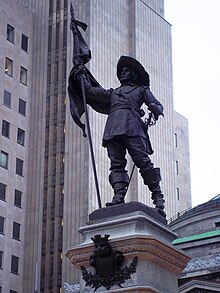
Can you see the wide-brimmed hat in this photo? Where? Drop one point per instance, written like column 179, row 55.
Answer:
column 127, row 61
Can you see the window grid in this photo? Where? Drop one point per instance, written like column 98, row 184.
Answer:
column 5, row 128
column 22, row 107
column 23, row 75
column 17, row 198
column 178, row 193
column 2, row 225
column 4, row 159
column 175, row 140
column 8, row 67
column 2, row 191
column 14, row 264
column 24, row 43
column 7, row 99
column 177, row 168
column 19, row 167
column 16, row 231
column 10, row 33
column 20, row 136
column 1, row 260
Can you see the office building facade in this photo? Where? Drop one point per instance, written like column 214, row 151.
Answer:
column 56, row 185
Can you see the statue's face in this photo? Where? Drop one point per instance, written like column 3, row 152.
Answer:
column 125, row 75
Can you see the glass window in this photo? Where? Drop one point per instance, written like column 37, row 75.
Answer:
column 23, row 75
column 2, row 225
column 1, row 259
column 4, row 159
column 17, row 198
column 16, row 231
column 175, row 140
column 10, row 33
column 22, row 107
column 2, row 191
column 24, row 43
column 177, row 167
column 13, row 291
column 178, row 193
column 20, row 136
column 8, row 66
column 5, row 128
column 19, row 167
column 14, row 264
column 7, row 99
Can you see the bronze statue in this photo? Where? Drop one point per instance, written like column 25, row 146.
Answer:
column 125, row 131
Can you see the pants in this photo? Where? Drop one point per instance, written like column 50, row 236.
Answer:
column 136, row 147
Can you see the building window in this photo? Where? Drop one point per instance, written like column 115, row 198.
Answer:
column 10, row 33
column 2, row 225
column 7, row 99
column 2, row 191
column 19, row 167
column 24, row 43
column 178, row 193
column 175, row 140
column 4, row 159
column 22, row 107
column 8, row 66
column 1, row 260
column 23, row 75
column 13, row 291
column 5, row 128
column 16, row 231
column 20, row 136
column 17, row 198
column 14, row 264
column 217, row 225
column 177, row 167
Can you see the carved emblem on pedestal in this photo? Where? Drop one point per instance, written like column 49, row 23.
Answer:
column 107, row 262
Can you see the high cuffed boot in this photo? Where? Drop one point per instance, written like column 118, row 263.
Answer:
column 119, row 181
column 152, row 179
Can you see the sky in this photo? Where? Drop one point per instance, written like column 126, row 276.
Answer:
column 196, row 84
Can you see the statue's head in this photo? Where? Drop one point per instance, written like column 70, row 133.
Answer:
column 130, row 70
column 128, row 75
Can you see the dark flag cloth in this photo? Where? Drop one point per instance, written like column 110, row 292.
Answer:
column 76, row 100
column 74, row 88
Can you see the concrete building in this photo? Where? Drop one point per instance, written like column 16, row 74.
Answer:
column 199, row 236
column 15, row 97
column 57, row 183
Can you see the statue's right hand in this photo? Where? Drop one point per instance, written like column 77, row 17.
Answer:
column 78, row 61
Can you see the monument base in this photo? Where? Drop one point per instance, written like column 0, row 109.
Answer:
column 137, row 231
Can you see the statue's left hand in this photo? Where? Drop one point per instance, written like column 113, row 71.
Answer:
column 78, row 62
column 157, row 110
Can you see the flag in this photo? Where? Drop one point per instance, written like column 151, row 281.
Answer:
column 74, row 88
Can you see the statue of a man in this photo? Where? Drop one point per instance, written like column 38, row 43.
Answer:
column 125, row 131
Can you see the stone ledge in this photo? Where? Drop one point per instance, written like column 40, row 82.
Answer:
column 126, row 208
column 147, row 248
column 136, row 289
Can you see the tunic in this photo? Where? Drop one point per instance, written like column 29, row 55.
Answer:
column 124, row 116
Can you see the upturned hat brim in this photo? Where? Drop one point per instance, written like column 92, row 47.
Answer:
column 127, row 61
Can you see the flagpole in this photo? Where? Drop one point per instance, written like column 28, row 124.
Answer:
column 76, row 44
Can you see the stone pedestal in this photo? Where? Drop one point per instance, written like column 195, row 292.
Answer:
column 135, row 230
